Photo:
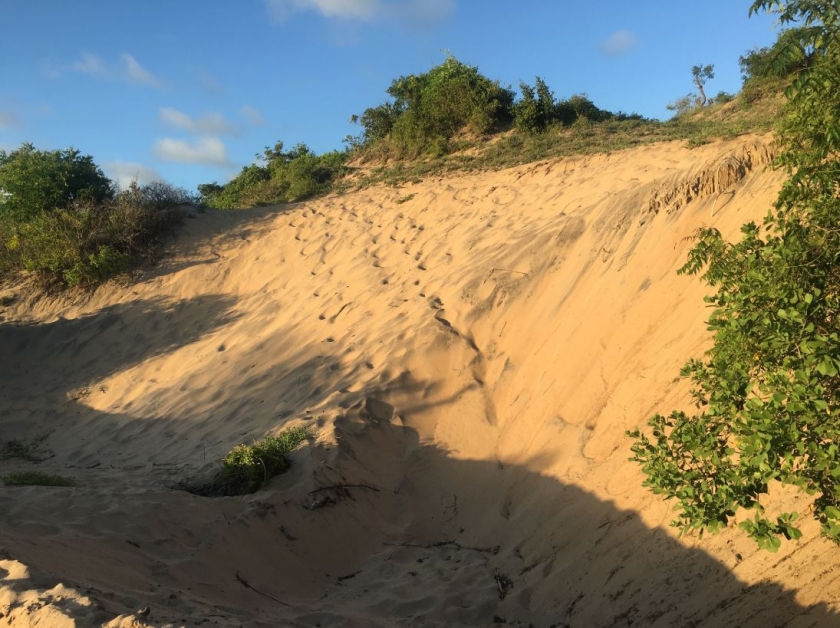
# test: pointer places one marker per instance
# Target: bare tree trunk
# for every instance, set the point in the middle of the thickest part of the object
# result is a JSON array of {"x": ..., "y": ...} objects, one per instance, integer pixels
[{"x": 702, "y": 94}]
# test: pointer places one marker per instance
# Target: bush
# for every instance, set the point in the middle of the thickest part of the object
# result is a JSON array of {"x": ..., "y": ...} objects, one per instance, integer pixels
[
  {"x": 768, "y": 391},
  {"x": 722, "y": 98},
  {"x": 284, "y": 177},
  {"x": 36, "y": 478},
  {"x": 34, "y": 181},
  {"x": 429, "y": 109},
  {"x": 771, "y": 69},
  {"x": 87, "y": 242},
  {"x": 684, "y": 105},
  {"x": 248, "y": 468},
  {"x": 536, "y": 109},
  {"x": 580, "y": 106},
  {"x": 787, "y": 56}
]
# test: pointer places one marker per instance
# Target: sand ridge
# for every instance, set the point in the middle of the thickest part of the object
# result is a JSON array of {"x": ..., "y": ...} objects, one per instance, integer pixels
[{"x": 517, "y": 321}]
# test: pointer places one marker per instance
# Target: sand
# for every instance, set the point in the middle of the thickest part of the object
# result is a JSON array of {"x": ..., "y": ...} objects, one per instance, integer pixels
[{"x": 517, "y": 322}]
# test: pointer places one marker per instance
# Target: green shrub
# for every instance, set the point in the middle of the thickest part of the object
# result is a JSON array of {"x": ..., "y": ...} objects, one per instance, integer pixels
[
  {"x": 284, "y": 177},
  {"x": 86, "y": 242},
  {"x": 429, "y": 109},
  {"x": 248, "y": 468},
  {"x": 536, "y": 109},
  {"x": 768, "y": 391},
  {"x": 34, "y": 181},
  {"x": 786, "y": 57},
  {"x": 580, "y": 106},
  {"x": 36, "y": 478},
  {"x": 722, "y": 98},
  {"x": 685, "y": 105}
]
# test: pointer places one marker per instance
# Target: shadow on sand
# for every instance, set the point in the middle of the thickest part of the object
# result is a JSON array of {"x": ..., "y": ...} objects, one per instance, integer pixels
[{"x": 383, "y": 529}]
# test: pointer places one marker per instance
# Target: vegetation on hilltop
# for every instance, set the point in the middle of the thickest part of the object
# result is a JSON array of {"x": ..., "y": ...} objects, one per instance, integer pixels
[
  {"x": 768, "y": 391},
  {"x": 453, "y": 118},
  {"x": 280, "y": 177},
  {"x": 429, "y": 110},
  {"x": 63, "y": 220}
]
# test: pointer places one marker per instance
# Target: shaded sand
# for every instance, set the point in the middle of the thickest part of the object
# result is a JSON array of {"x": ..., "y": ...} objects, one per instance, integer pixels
[{"x": 517, "y": 322}]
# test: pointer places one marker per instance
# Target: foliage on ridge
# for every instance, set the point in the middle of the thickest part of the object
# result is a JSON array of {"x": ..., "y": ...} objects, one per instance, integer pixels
[
  {"x": 768, "y": 391},
  {"x": 279, "y": 177},
  {"x": 63, "y": 221}
]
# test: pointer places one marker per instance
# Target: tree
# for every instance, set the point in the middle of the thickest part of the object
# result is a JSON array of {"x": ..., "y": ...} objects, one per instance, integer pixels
[
  {"x": 768, "y": 391},
  {"x": 34, "y": 181},
  {"x": 701, "y": 74},
  {"x": 429, "y": 109},
  {"x": 536, "y": 108},
  {"x": 786, "y": 56}
]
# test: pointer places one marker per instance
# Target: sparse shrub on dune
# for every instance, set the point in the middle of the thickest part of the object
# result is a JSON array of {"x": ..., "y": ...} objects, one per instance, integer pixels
[
  {"x": 86, "y": 241},
  {"x": 248, "y": 468},
  {"x": 36, "y": 478},
  {"x": 279, "y": 177}
]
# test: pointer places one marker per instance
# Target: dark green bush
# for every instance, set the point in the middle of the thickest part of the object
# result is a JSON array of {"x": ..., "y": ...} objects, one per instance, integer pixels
[
  {"x": 580, "y": 106},
  {"x": 536, "y": 109},
  {"x": 283, "y": 177},
  {"x": 87, "y": 242},
  {"x": 430, "y": 109},
  {"x": 770, "y": 69},
  {"x": 787, "y": 56},
  {"x": 34, "y": 181}
]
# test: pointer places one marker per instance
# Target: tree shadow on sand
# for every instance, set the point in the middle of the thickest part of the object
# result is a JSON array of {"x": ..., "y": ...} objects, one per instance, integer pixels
[
  {"x": 387, "y": 530},
  {"x": 379, "y": 528},
  {"x": 45, "y": 367}
]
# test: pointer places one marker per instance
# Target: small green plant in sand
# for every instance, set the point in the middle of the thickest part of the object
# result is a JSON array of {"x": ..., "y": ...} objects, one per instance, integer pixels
[
  {"x": 36, "y": 478},
  {"x": 248, "y": 468}
]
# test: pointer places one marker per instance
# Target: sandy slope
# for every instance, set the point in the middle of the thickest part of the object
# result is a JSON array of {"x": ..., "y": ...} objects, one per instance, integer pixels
[{"x": 518, "y": 322}]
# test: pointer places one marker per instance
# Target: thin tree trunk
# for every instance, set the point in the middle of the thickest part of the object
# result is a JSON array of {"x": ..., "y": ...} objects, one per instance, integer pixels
[{"x": 702, "y": 94}]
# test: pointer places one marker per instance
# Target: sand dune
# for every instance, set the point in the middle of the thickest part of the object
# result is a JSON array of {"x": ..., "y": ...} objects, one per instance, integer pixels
[{"x": 518, "y": 322}]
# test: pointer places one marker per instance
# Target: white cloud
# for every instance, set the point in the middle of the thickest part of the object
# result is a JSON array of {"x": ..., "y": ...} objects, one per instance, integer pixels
[
  {"x": 137, "y": 74},
  {"x": 208, "y": 124},
  {"x": 126, "y": 69},
  {"x": 252, "y": 115},
  {"x": 412, "y": 12},
  {"x": 281, "y": 10},
  {"x": 124, "y": 173},
  {"x": 209, "y": 151},
  {"x": 90, "y": 64},
  {"x": 619, "y": 43},
  {"x": 9, "y": 120}
]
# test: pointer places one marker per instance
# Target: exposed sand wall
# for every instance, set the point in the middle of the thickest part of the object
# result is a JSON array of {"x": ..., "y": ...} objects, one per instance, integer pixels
[{"x": 518, "y": 322}]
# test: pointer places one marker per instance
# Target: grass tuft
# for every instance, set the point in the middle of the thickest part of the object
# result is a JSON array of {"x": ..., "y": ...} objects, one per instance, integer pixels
[
  {"x": 36, "y": 478},
  {"x": 248, "y": 468}
]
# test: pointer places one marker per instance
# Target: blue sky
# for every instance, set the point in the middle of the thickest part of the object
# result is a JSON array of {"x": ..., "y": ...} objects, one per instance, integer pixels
[{"x": 190, "y": 90}]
